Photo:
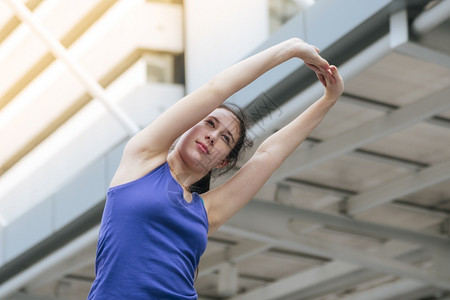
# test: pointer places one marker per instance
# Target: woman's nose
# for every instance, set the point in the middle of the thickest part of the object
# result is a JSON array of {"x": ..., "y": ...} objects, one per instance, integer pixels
[{"x": 211, "y": 138}]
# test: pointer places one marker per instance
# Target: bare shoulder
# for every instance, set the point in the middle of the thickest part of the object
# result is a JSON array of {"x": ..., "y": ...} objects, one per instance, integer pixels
[{"x": 132, "y": 168}]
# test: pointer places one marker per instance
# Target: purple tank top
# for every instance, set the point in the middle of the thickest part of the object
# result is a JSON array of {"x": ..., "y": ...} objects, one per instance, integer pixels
[{"x": 150, "y": 240}]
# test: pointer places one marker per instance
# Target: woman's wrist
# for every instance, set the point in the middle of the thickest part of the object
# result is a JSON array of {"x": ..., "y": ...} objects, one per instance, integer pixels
[
  {"x": 330, "y": 99},
  {"x": 299, "y": 48}
]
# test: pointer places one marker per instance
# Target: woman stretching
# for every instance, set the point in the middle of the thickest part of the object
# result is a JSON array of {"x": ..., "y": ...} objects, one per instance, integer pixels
[{"x": 159, "y": 209}]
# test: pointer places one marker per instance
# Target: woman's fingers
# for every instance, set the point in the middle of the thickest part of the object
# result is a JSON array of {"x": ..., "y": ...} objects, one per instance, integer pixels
[
  {"x": 335, "y": 72},
  {"x": 325, "y": 77},
  {"x": 335, "y": 84},
  {"x": 331, "y": 75},
  {"x": 330, "y": 78},
  {"x": 322, "y": 79},
  {"x": 313, "y": 67},
  {"x": 324, "y": 68}
]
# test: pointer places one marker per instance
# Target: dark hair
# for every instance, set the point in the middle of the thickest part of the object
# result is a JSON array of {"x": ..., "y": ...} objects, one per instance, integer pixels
[{"x": 235, "y": 154}]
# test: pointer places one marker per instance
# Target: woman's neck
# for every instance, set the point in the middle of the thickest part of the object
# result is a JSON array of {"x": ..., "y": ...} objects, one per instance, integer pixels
[{"x": 185, "y": 176}]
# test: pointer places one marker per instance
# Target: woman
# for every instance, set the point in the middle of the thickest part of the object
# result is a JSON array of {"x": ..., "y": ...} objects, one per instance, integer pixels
[{"x": 154, "y": 229}]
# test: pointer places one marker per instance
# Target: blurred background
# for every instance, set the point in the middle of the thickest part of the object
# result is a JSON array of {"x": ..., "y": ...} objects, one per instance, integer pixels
[{"x": 360, "y": 211}]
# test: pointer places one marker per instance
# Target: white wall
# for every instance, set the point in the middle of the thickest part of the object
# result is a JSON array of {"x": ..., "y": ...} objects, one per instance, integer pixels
[{"x": 219, "y": 33}]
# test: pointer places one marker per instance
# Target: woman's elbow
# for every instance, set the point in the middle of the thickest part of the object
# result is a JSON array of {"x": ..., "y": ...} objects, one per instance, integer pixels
[{"x": 268, "y": 158}]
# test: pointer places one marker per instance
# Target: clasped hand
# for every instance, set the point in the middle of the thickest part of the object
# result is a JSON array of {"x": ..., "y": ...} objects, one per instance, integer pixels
[{"x": 326, "y": 73}]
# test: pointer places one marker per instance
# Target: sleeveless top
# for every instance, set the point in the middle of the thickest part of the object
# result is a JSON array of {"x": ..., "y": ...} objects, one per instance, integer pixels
[{"x": 150, "y": 240}]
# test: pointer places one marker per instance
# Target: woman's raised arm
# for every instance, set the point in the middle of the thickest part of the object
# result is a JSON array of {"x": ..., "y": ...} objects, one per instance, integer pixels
[
  {"x": 156, "y": 138},
  {"x": 224, "y": 201}
]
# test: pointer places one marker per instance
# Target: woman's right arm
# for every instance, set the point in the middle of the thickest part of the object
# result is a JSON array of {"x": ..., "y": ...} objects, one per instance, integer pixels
[
  {"x": 157, "y": 138},
  {"x": 225, "y": 200}
]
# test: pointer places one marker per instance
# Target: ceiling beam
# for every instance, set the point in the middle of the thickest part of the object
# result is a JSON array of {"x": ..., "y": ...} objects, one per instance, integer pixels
[
  {"x": 388, "y": 108},
  {"x": 258, "y": 228},
  {"x": 364, "y": 134},
  {"x": 280, "y": 219},
  {"x": 391, "y": 290},
  {"x": 299, "y": 281},
  {"x": 23, "y": 296},
  {"x": 228, "y": 280},
  {"x": 313, "y": 187},
  {"x": 82, "y": 258},
  {"x": 303, "y": 288},
  {"x": 213, "y": 262},
  {"x": 91, "y": 84},
  {"x": 346, "y": 254},
  {"x": 398, "y": 188},
  {"x": 431, "y": 18},
  {"x": 61, "y": 255},
  {"x": 231, "y": 254}
]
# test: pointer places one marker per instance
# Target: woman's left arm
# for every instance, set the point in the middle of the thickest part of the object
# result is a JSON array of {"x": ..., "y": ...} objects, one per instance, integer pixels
[{"x": 224, "y": 201}]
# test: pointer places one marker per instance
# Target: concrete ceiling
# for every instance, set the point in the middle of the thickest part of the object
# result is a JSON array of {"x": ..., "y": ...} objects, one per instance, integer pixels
[{"x": 360, "y": 211}]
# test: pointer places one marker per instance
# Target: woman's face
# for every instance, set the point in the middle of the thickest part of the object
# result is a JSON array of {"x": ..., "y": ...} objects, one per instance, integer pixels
[{"x": 207, "y": 144}]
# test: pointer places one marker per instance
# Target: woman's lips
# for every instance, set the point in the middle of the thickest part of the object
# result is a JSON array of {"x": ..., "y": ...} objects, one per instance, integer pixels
[{"x": 202, "y": 147}]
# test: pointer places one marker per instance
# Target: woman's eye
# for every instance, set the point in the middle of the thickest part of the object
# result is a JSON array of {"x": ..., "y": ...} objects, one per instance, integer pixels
[
  {"x": 210, "y": 123},
  {"x": 226, "y": 138}
]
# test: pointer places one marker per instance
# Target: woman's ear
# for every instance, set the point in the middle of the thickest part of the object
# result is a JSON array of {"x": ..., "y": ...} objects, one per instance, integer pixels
[{"x": 222, "y": 164}]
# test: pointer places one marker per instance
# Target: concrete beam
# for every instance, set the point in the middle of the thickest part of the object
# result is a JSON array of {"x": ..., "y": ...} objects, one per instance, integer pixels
[
  {"x": 232, "y": 254},
  {"x": 364, "y": 134},
  {"x": 278, "y": 217},
  {"x": 299, "y": 287},
  {"x": 398, "y": 188},
  {"x": 342, "y": 253},
  {"x": 22, "y": 296},
  {"x": 390, "y": 290},
  {"x": 228, "y": 280},
  {"x": 298, "y": 281}
]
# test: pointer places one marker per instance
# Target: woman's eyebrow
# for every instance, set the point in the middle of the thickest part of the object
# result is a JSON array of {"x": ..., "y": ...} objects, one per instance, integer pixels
[{"x": 226, "y": 128}]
